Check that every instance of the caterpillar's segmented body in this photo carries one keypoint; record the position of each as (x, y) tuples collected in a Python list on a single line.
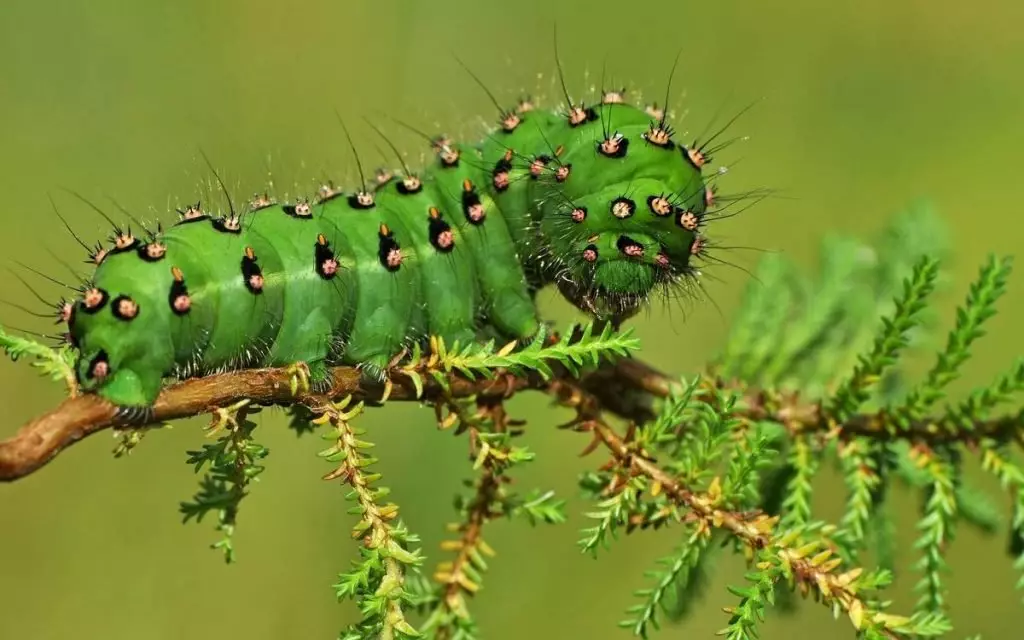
[(599, 200)]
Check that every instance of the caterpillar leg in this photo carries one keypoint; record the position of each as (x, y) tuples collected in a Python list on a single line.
[(300, 374), (312, 376), (377, 370), (133, 415)]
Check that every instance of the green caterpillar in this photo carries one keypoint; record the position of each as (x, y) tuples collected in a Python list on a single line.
[(599, 200)]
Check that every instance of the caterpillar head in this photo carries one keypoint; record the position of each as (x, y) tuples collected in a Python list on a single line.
[(623, 216), (123, 350)]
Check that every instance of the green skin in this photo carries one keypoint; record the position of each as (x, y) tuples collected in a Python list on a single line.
[(366, 313)]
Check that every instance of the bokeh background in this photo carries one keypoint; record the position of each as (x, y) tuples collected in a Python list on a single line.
[(864, 107)]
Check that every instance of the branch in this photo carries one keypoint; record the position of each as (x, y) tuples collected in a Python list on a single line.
[(624, 388), (42, 439)]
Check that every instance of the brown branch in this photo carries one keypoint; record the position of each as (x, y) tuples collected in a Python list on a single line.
[(625, 388), (42, 439), (799, 415)]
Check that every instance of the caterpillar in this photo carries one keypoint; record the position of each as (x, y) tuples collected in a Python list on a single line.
[(599, 199)]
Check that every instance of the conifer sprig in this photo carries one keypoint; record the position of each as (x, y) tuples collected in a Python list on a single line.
[(979, 307), (802, 555), (377, 581), (852, 394), (233, 463), (490, 430), (56, 364)]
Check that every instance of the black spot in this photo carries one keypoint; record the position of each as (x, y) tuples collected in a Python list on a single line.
[(387, 245), (92, 310), (660, 135), (591, 115), (672, 209), (503, 165), (689, 157), (115, 308), (543, 160), (353, 201), (249, 270), (441, 236), (227, 225), (293, 211), (143, 252), (622, 207), (321, 254), (510, 121), (624, 243), (178, 289), (470, 199), (403, 188), (563, 172), (621, 145), (449, 157), (100, 357)]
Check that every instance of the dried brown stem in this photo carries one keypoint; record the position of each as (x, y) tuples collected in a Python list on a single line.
[(484, 506)]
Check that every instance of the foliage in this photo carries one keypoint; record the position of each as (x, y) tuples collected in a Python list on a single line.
[(811, 376)]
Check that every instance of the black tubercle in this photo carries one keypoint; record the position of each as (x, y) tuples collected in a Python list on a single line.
[(152, 251), (388, 251), (503, 165), (661, 206), (590, 116), (500, 173), (323, 256), (355, 203), (538, 165), (449, 159), (251, 273), (629, 246), (440, 233), (230, 224), (470, 204), (660, 135), (101, 357), (622, 207), (178, 289), (94, 307), (408, 186), (124, 308), (614, 146), (299, 211)]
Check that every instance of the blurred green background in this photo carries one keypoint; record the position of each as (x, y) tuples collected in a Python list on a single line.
[(865, 106)]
